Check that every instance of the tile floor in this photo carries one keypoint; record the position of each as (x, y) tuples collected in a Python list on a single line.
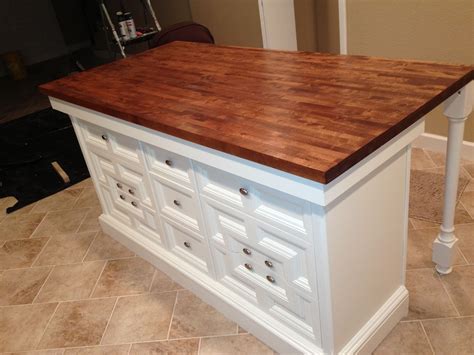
[(67, 288)]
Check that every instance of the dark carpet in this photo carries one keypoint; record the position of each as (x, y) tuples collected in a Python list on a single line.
[(28, 146)]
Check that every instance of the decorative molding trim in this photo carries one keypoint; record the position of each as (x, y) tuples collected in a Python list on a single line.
[(438, 143), (277, 21), (342, 26), (380, 325)]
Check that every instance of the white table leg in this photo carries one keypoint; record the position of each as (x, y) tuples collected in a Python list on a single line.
[(457, 109)]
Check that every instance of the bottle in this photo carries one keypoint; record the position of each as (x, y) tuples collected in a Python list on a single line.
[(123, 29), (132, 31)]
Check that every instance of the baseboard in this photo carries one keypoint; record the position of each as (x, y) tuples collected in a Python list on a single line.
[(438, 143), (380, 325), (244, 313)]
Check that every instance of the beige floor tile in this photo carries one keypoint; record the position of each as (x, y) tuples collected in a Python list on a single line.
[(439, 158), (20, 286), (235, 345), (21, 327), (100, 350), (9, 201), (469, 169), (60, 222), (470, 186), (88, 198), (420, 160), (140, 318), (19, 226), (421, 224), (405, 338), (428, 299), (105, 247), (40, 352), (66, 249), (465, 234), (467, 200), (171, 347), (420, 249), (241, 330), (63, 200), (460, 286), (451, 336), (162, 283), (20, 253), (83, 184), (77, 323), (71, 282), (124, 277), (91, 222), (193, 318)]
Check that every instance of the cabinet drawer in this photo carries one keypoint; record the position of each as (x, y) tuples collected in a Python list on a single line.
[(189, 246), (274, 207), (116, 144), (170, 165)]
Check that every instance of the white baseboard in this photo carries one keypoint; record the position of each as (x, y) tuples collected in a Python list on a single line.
[(438, 143), (380, 325)]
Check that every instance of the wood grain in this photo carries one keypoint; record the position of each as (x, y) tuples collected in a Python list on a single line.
[(310, 114)]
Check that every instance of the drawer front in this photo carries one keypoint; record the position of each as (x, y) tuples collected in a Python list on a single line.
[(188, 245), (169, 165), (257, 261), (178, 203), (290, 214), (116, 144)]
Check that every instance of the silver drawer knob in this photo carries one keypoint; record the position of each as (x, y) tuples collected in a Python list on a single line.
[(134, 203), (119, 185), (122, 197), (187, 244), (271, 279), (247, 251), (248, 266), (168, 162), (105, 137), (243, 191), (268, 263), (131, 192), (177, 203)]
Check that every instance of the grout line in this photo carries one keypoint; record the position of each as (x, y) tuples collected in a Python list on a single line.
[(33, 264), (90, 245), (97, 281), (129, 348), (152, 280), (47, 325), (33, 233), (427, 337), (44, 283), (199, 346), (172, 316), (82, 220), (437, 318), (465, 209), (108, 321), (449, 295), (463, 256)]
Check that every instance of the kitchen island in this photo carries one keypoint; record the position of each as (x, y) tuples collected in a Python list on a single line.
[(272, 184)]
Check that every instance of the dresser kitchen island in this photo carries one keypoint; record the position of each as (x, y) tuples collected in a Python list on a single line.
[(272, 184)]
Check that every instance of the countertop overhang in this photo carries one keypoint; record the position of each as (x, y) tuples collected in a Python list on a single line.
[(313, 115)]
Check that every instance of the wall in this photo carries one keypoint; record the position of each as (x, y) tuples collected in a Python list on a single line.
[(436, 30), (232, 22), (306, 25), (327, 19)]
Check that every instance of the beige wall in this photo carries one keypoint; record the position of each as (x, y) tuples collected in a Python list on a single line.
[(170, 12), (436, 30), (327, 18), (306, 25), (232, 22)]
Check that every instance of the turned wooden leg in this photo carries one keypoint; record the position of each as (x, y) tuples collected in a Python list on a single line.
[(457, 108)]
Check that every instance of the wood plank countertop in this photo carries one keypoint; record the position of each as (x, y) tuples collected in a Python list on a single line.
[(309, 114)]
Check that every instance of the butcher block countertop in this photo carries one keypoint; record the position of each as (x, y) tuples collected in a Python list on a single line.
[(309, 114)]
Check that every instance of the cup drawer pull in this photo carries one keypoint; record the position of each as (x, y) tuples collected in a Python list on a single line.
[(268, 263), (169, 162), (248, 266), (243, 191), (247, 251), (134, 203), (187, 244), (105, 137), (271, 279), (177, 203)]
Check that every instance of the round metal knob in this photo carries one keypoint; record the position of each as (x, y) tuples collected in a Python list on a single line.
[(131, 192), (243, 191), (247, 251), (105, 137), (187, 244), (177, 203), (122, 197), (119, 185), (248, 266), (168, 162), (134, 203), (268, 263), (271, 279)]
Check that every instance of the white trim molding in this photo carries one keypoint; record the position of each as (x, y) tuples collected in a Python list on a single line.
[(438, 143), (342, 6), (278, 24)]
